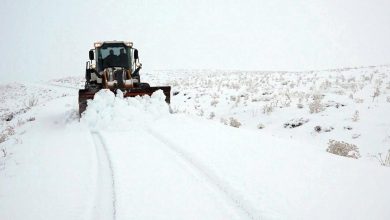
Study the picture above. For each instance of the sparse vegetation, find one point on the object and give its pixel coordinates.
(384, 161)
(4, 151)
(377, 92)
(355, 116)
(316, 106)
(344, 149)
(295, 123)
(320, 129)
(31, 102)
(268, 108)
(3, 137)
(234, 122)
(8, 131)
(260, 126)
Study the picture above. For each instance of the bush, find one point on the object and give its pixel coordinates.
(260, 126)
(32, 101)
(214, 102)
(9, 131)
(355, 116)
(316, 106)
(267, 109)
(342, 148)
(234, 123)
(293, 123)
(320, 129)
(9, 117)
(3, 137)
(386, 161)
(377, 92)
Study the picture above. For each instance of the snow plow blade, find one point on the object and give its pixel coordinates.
(85, 94)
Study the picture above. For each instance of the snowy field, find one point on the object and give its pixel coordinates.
(232, 145)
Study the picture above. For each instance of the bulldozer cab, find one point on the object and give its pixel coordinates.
(109, 56)
(115, 54)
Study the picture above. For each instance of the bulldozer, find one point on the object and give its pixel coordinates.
(115, 65)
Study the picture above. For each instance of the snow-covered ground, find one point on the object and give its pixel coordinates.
(232, 145)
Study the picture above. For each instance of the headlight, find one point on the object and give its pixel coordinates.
(129, 44)
(98, 44)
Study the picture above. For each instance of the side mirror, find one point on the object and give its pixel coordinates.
(91, 55)
(136, 54)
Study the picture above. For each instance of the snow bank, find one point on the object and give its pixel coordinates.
(114, 112)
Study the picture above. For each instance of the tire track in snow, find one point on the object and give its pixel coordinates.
(210, 177)
(106, 181)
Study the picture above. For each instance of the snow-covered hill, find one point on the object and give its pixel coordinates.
(233, 145)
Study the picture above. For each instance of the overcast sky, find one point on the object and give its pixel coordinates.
(49, 38)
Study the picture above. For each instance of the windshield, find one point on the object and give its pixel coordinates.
(113, 55)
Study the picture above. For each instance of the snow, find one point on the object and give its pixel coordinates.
(138, 158)
(109, 111)
(272, 99)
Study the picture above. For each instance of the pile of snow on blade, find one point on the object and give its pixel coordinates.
(113, 112)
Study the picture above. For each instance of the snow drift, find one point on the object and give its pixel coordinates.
(107, 111)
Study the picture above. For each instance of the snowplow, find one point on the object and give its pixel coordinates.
(115, 65)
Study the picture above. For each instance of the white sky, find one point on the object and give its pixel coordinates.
(47, 38)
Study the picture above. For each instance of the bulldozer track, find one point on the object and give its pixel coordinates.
(209, 177)
(105, 181)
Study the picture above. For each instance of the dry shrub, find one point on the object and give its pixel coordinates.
(340, 92)
(3, 137)
(293, 123)
(268, 108)
(214, 102)
(316, 106)
(320, 129)
(386, 161)
(342, 148)
(355, 116)
(4, 151)
(358, 100)
(32, 101)
(260, 126)
(234, 122)
(9, 131)
(377, 92)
